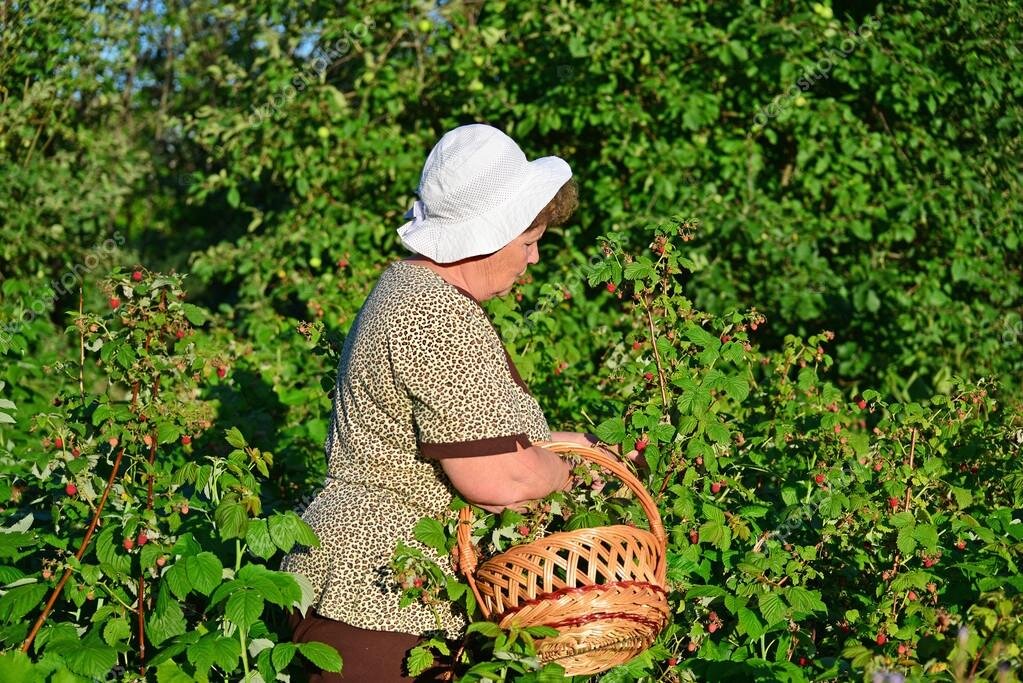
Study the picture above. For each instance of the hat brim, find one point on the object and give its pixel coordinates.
(485, 234)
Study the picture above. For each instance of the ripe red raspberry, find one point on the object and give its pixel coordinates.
(753, 326)
(180, 334)
(881, 638)
(71, 489)
(114, 302)
(838, 428)
(803, 661)
(893, 503)
(75, 452)
(820, 478)
(903, 649)
(648, 376)
(58, 442)
(137, 276)
(911, 596)
(185, 439)
(878, 466)
(636, 346)
(128, 544)
(712, 627)
(642, 443)
(862, 404)
(725, 338)
(672, 661)
(694, 537)
(960, 544)
(715, 487)
(113, 441)
(142, 538)
(47, 575)
(611, 287)
(699, 460)
(417, 582)
(692, 646)
(184, 509)
(523, 530)
(221, 372)
(342, 263)
(160, 561)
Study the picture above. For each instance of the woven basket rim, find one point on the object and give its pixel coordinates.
(545, 541)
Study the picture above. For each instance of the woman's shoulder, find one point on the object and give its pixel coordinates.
(409, 291)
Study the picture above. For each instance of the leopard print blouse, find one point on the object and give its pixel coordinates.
(423, 375)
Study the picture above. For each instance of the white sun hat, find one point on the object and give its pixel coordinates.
(477, 193)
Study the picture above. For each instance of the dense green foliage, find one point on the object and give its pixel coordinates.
(852, 169)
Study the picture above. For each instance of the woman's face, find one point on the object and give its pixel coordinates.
(499, 271)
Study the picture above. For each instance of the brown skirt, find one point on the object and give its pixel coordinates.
(367, 656)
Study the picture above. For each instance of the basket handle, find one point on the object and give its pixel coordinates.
(468, 557)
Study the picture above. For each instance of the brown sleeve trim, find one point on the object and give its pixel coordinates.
(466, 449)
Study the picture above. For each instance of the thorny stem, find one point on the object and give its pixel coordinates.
(81, 347)
(78, 555)
(909, 486)
(657, 356)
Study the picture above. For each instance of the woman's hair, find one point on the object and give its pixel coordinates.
(559, 209)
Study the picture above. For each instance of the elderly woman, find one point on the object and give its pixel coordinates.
(428, 403)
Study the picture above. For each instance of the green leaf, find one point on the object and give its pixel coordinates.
(419, 660)
(749, 624)
(177, 580)
(772, 607)
(282, 655)
(611, 431)
(232, 520)
(20, 600)
(204, 572)
(905, 541)
(258, 540)
(322, 655)
(287, 529)
(89, 657)
(116, 630)
(195, 315)
(429, 532)
(244, 608)
(235, 438)
(701, 337)
(166, 623)
(736, 387)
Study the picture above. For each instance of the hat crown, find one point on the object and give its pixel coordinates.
(472, 170)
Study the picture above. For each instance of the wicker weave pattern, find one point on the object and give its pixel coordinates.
(602, 588)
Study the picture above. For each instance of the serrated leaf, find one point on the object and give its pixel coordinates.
(244, 608)
(258, 541)
(429, 532)
(419, 660)
(89, 657)
(235, 438)
(166, 623)
(611, 431)
(322, 655)
(20, 600)
(177, 579)
(195, 315)
(282, 655)
(204, 572)
(905, 541)
(749, 624)
(232, 520)
(771, 607)
(116, 630)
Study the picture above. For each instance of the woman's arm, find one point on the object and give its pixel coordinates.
(495, 482)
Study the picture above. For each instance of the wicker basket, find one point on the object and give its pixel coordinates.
(602, 588)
